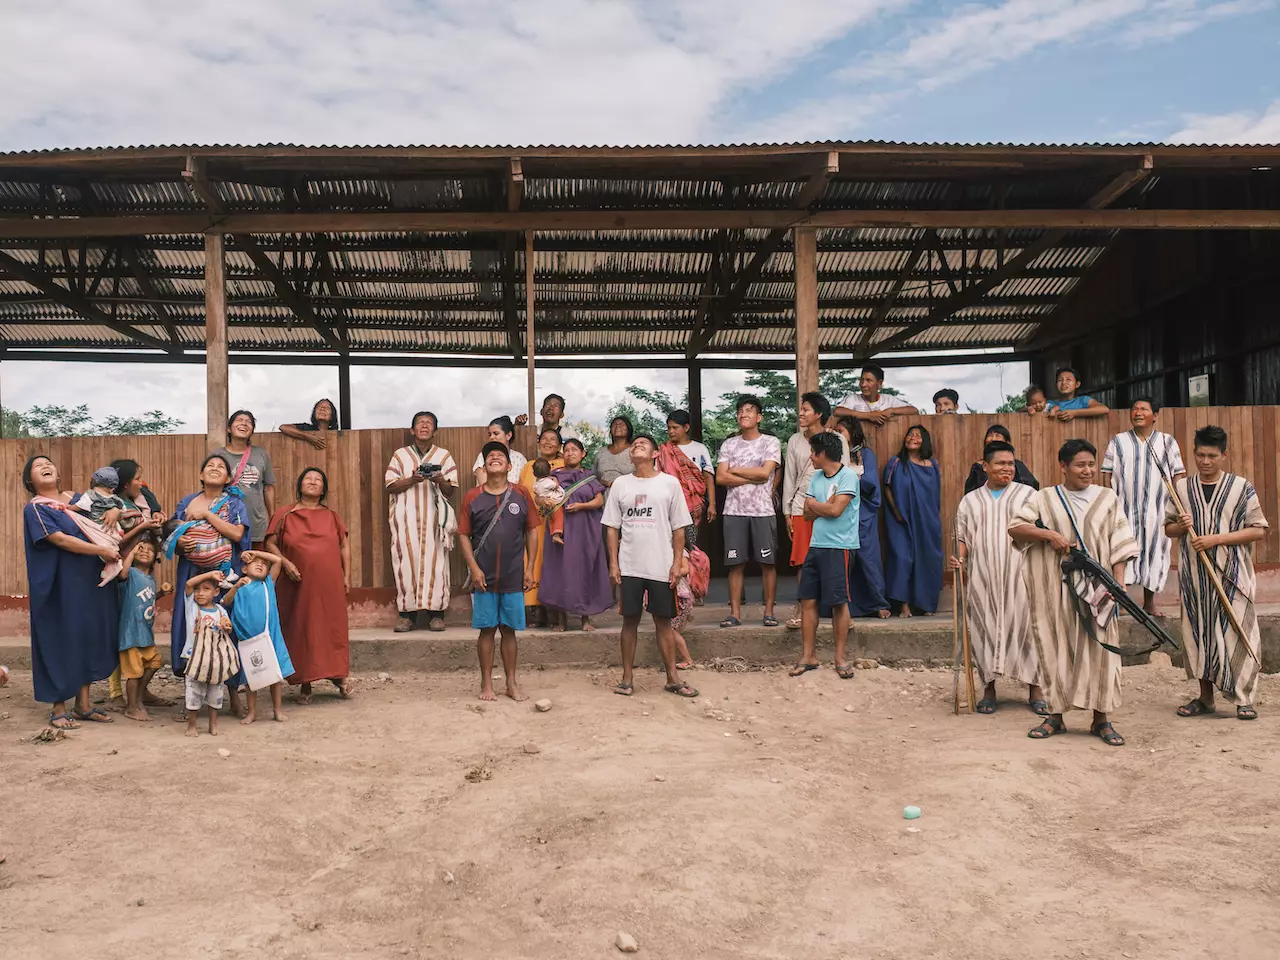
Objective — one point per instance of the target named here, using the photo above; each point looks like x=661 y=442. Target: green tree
x=593 y=438
x=11 y=425
x=59 y=421
x=1013 y=403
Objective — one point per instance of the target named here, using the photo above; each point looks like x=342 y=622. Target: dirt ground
x=763 y=820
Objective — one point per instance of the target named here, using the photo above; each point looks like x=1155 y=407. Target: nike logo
x=765 y=553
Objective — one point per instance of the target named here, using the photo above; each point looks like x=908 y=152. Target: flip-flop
x=685 y=665
x=800 y=669
x=681 y=689
x=770 y=621
x=624 y=689
x=730 y=622
x=1039 y=707
x=1050 y=728
x=1107 y=734
x=69 y=725
x=794 y=623
x=93 y=716
x=1195 y=708
x=1246 y=712
x=986 y=706
x=845 y=671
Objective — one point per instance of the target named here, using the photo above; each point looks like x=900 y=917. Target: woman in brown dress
x=312 y=596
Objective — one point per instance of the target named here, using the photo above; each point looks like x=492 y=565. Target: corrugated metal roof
x=601 y=291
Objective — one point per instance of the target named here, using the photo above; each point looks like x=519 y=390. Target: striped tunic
x=995 y=591
x=422 y=525
x=1131 y=461
x=1213 y=648
x=1075 y=672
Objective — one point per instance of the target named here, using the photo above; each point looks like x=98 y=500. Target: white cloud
x=1243 y=126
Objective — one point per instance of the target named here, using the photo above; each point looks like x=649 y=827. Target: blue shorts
x=489 y=610
x=825 y=576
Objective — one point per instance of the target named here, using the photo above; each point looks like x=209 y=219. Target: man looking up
x=869 y=403
x=644 y=520
x=746 y=466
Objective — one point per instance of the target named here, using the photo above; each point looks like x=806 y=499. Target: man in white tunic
x=419 y=479
x=1138 y=461
x=995 y=591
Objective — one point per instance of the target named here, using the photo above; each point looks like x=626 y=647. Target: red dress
x=313 y=611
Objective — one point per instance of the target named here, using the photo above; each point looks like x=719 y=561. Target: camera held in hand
x=429 y=469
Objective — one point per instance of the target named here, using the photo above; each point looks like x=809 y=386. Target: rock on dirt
x=532 y=747
x=223 y=752
x=542 y=706
x=626 y=943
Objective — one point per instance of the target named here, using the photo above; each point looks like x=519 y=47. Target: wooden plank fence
x=356 y=460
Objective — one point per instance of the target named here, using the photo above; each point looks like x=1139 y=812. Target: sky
x=84 y=74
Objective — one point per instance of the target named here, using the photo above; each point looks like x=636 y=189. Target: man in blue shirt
x=832 y=505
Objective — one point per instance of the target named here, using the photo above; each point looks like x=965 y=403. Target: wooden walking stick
x=956 y=645
x=964 y=635
x=1210 y=569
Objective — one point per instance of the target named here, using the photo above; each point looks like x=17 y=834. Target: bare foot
x=883 y=614
x=192 y=731
x=116 y=704
x=486 y=693
x=587 y=625
x=557 y=628
x=248 y=718
x=138 y=713
x=278 y=716
x=515 y=693
x=304 y=694
x=346 y=687
x=905 y=613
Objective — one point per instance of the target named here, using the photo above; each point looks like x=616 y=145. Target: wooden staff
x=964 y=634
x=1209 y=568
x=956 y=645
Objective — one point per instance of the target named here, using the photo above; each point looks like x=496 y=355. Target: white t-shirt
x=858 y=403
x=518 y=460
x=699 y=454
x=750 y=499
x=645 y=511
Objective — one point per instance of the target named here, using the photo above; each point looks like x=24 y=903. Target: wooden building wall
x=356 y=461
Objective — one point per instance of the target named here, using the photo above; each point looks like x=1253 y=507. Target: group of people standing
x=82 y=631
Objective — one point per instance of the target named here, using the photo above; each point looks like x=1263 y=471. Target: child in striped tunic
x=211 y=655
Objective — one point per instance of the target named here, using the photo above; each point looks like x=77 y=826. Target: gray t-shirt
x=257 y=475
x=611 y=466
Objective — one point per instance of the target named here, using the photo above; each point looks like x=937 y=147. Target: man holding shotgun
x=1217 y=517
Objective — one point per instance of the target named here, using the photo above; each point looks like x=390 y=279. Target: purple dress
x=575 y=576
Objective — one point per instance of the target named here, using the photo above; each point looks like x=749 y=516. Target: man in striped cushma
x=1076 y=671
x=995 y=591
x=1139 y=461
x=1223 y=518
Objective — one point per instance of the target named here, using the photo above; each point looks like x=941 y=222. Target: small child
x=101 y=505
x=549 y=496
x=211 y=655
x=254 y=611
x=139 y=658
x=684 y=607
x=1036 y=399
x=1070 y=403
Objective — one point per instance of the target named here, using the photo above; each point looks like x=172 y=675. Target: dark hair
x=506 y=423
x=681 y=417
x=554 y=396
x=576 y=442
x=1155 y=407
x=630 y=429
x=827 y=444
x=1073 y=448
x=216 y=456
x=926 y=444
x=821 y=405
x=946 y=393
x=874 y=369
x=491 y=447
x=541 y=467
x=857 y=436
x=332 y=406
x=1211 y=436
x=169 y=526
x=242 y=413
x=1000 y=430
x=644 y=436
x=324 y=483
x=545 y=430
x=435 y=421
x=997 y=446
x=126 y=470
x=1034 y=388
x=748 y=400
x=154 y=541
x=26 y=470
x=1071 y=370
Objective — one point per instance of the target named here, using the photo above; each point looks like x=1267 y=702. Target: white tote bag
x=258 y=656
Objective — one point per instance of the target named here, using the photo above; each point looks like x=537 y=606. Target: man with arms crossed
x=832 y=506
x=644 y=520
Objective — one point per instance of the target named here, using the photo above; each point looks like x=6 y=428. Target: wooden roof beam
x=148 y=288
x=971 y=295
x=515 y=185
x=882 y=311
x=77 y=304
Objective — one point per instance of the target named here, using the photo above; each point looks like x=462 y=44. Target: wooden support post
x=528 y=323
x=695 y=401
x=805 y=243
x=215 y=339
x=344 y=391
